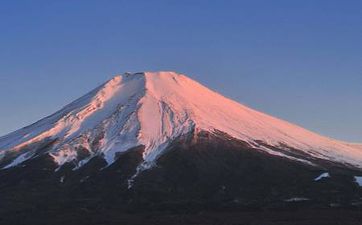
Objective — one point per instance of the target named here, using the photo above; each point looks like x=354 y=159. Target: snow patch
x=358 y=180
x=63 y=156
x=323 y=175
x=297 y=199
x=82 y=163
x=21 y=158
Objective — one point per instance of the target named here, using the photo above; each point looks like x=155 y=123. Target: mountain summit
x=153 y=109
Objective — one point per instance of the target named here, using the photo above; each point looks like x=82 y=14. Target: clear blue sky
x=297 y=60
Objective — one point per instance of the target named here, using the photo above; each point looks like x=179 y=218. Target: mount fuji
x=156 y=140
x=153 y=110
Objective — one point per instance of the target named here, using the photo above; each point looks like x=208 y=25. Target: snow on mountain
x=153 y=109
x=323 y=175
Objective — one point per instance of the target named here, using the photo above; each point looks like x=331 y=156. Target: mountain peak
x=153 y=109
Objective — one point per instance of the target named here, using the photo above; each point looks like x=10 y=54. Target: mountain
x=160 y=140
x=154 y=109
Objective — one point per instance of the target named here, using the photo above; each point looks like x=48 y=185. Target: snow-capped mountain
x=161 y=141
x=153 y=109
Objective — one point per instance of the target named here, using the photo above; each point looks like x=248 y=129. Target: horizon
x=299 y=62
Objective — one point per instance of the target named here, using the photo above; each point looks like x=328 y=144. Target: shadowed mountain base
x=208 y=179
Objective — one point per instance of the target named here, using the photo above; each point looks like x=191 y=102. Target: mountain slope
x=153 y=110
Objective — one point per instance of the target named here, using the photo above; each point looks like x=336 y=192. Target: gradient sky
x=297 y=60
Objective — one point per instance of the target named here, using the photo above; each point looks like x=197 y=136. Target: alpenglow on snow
x=153 y=109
